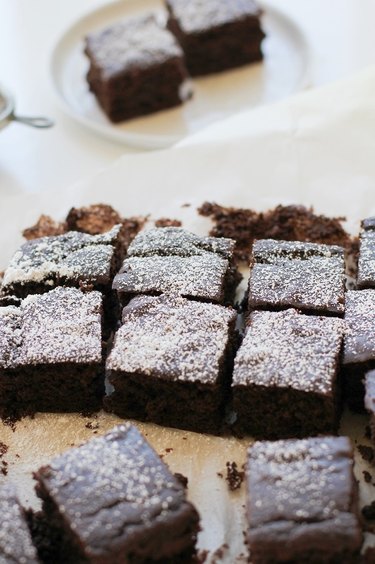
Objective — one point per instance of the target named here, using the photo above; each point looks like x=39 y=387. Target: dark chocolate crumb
x=234 y=476
x=366 y=452
x=368 y=511
x=92 y=425
x=166 y=222
x=4 y=471
x=168 y=450
x=219 y=474
x=182 y=479
x=3 y=449
x=367 y=476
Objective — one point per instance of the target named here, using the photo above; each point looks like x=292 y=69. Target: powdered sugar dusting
x=73 y=255
x=10 y=334
x=359 y=342
x=199 y=15
x=138 y=42
x=301 y=481
x=112 y=487
x=290 y=350
x=173 y=338
x=303 y=275
x=366 y=260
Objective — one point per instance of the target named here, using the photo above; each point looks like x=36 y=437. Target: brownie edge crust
x=115 y=501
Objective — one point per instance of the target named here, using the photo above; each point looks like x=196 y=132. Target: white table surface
x=339 y=33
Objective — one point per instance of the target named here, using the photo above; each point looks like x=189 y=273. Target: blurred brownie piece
x=173 y=260
x=285 y=375
x=51 y=353
x=171 y=363
x=216 y=34
x=359 y=344
x=302 y=502
x=63 y=260
x=308 y=276
x=16 y=546
x=136 y=68
x=114 y=500
x=366 y=259
x=44 y=227
x=370 y=400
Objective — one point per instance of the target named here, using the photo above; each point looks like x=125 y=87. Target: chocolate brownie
x=171 y=259
x=16 y=546
x=216 y=34
x=171 y=362
x=370 y=400
x=302 y=502
x=285 y=375
x=136 y=68
x=114 y=501
x=307 y=276
x=359 y=344
x=51 y=353
x=366 y=259
x=67 y=259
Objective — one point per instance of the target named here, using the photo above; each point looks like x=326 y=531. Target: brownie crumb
x=366 y=452
x=182 y=479
x=186 y=205
x=368 y=511
x=94 y=219
x=219 y=553
x=166 y=222
x=219 y=474
x=11 y=421
x=201 y=557
x=168 y=450
x=288 y=223
x=367 y=476
x=44 y=227
x=93 y=425
x=3 y=449
x=234 y=476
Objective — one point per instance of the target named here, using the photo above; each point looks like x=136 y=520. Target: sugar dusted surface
x=290 y=350
x=305 y=275
x=71 y=255
x=366 y=260
x=300 y=482
x=359 y=341
x=112 y=486
x=177 y=241
x=63 y=325
x=15 y=542
x=173 y=338
x=136 y=43
x=200 y=15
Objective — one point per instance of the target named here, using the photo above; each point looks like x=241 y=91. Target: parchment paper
x=316 y=149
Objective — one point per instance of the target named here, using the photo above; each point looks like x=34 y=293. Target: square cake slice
x=136 y=68
x=173 y=260
x=114 y=500
x=359 y=344
x=302 y=502
x=16 y=546
x=216 y=34
x=285 y=375
x=51 y=353
x=171 y=363
x=308 y=276
x=366 y=257
x=370 y=400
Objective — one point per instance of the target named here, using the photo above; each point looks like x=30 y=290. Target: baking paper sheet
x=315 y=149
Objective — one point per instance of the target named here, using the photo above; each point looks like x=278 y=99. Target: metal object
x=7 y=113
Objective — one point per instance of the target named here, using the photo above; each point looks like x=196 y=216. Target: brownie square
x=15 y=540
x=171 y=363
x=359 y=344
x=51 y=353
x=302 y=502
x=308 y=276
x=285 y=375
x=136 y=68
x=114 y=500
x=370 y=400
x=216 y=34
x=366 y=257
x=171 y=259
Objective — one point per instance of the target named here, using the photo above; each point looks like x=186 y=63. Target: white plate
x=285 y=70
